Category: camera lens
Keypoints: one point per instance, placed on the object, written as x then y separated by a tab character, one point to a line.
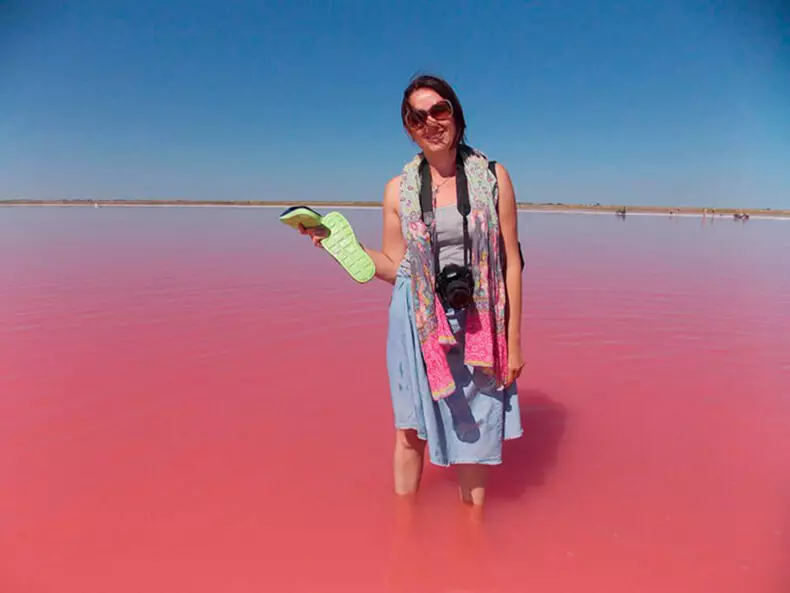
458	294
454	286
459	300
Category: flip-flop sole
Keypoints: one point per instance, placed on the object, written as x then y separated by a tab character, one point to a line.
342	244
296	215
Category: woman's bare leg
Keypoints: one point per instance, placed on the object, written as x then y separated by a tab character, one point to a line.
472	483
408	461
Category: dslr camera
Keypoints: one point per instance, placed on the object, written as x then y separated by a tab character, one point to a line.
455	286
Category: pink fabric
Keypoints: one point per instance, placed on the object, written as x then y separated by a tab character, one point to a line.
485	340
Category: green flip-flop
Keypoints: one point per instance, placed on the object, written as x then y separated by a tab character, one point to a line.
342	244
296	215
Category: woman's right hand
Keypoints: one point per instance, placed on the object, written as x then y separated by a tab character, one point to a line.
315	233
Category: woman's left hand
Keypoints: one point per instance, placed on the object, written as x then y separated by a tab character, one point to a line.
515	363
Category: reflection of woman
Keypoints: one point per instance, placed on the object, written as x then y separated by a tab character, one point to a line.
452	365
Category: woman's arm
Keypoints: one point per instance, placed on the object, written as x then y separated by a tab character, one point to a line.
393	247
508	223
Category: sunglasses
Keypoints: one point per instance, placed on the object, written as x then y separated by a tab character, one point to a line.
441	111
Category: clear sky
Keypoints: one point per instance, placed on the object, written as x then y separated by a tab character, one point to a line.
639	102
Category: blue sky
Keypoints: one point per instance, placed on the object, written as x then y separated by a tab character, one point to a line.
620	102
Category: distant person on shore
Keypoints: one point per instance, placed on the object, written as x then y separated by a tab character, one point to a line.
453	352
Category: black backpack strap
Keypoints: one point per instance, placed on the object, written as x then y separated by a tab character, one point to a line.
492	167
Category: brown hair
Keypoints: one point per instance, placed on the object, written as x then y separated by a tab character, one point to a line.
445	91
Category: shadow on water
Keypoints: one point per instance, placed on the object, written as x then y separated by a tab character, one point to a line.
528	460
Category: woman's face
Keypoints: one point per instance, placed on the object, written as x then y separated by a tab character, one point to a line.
430	121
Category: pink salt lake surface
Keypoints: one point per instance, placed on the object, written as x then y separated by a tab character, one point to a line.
196	400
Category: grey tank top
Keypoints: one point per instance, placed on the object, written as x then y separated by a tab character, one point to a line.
449	237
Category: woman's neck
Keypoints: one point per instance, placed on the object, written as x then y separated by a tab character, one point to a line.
443	162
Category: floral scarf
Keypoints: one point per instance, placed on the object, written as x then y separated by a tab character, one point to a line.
485	342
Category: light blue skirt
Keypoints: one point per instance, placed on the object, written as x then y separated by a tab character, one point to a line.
465	427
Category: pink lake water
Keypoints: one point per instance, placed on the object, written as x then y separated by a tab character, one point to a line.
196	400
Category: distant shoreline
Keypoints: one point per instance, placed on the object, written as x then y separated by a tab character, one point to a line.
610	208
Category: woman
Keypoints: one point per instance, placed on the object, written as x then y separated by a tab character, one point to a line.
452	357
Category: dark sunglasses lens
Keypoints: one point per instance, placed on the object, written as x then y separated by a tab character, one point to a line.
441	110
415	118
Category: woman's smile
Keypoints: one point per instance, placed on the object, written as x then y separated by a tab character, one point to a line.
437	137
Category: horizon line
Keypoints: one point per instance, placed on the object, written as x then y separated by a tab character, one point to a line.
590	207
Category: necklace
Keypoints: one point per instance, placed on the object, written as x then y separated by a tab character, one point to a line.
437	186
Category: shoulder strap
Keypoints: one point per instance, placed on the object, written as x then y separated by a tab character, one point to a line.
426	199
462	198
461	184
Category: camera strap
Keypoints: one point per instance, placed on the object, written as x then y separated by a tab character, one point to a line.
462	202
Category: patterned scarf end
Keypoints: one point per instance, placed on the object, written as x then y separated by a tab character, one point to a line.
443	392
486	365
489	370
448	340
